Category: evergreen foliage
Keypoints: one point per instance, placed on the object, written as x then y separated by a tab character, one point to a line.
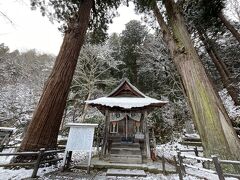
65	13
131	39
205	13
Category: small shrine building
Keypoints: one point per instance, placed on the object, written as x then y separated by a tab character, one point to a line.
126	133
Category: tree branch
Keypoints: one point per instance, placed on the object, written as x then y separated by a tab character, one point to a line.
6	17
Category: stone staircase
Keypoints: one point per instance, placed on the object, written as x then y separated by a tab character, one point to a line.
128	153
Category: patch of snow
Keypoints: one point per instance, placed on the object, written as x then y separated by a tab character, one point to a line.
169	149
125	102
60	137
155	177
192	135
205	175
198	158
7	129
233	111
16	174
6	159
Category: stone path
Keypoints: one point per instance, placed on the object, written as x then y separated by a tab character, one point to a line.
80	174
99	168
153	167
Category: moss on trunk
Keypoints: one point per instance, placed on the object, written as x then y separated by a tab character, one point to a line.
209	114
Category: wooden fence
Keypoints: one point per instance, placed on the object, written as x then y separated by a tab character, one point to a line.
35	164
206	162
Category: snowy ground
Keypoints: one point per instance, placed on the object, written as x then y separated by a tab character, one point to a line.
53	172
169	150
101	175
16	174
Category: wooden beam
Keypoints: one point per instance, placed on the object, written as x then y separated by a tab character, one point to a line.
106	133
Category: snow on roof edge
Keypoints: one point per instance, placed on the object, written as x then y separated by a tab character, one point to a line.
125	102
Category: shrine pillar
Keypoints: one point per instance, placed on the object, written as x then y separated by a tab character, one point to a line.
146	135
105	145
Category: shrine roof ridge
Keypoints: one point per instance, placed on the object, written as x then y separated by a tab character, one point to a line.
125	80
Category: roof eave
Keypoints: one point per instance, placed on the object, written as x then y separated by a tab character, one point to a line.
152	105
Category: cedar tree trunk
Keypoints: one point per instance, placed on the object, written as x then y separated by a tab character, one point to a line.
209	115
43	129
221	68
229	26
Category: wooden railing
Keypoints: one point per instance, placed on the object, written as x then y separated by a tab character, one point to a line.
35	164
214	160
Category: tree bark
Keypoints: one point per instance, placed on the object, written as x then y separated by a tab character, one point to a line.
229	26
43	129
221	68
83	116
209	114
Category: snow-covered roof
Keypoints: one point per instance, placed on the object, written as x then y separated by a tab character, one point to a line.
81	124
126	102
116	99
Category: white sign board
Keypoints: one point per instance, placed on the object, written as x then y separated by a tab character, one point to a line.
80	138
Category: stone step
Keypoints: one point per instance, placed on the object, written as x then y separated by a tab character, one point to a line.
125	160
126	155
126	172
126	151
125	145
126	148
128	159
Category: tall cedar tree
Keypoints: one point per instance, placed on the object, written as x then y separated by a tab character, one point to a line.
206	21
209	114
77	16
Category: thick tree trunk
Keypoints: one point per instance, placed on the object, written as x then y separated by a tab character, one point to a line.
221	68
229	26
209	115
43	129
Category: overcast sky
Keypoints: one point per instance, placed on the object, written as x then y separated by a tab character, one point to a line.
32	31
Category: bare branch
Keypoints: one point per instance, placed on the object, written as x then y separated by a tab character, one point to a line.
6	17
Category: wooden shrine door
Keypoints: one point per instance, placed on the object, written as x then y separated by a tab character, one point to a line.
126	129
